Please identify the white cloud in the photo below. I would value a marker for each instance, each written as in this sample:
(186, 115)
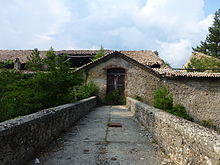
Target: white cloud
(165, 25)
(26, 24)
(175, 52)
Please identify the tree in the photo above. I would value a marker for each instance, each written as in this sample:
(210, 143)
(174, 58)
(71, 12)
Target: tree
(211, 45)
(99, 54)
(35, 62)
(202, 64)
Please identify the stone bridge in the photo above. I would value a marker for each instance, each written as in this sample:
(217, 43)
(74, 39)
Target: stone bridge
(108, 135)
(82, 133)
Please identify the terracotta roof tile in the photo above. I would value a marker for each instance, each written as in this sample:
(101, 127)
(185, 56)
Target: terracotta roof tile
(173, 73)
(145, 57)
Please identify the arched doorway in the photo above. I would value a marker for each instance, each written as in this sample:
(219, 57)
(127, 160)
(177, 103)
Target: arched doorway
(116, 80)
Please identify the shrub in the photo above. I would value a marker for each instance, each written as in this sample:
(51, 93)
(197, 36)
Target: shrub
(21, 94)
(99, 54)
(163, 99)
(114, 98)
(35, 62)
(85, 91)
(139, 98)
(7, 64)
(180, 111)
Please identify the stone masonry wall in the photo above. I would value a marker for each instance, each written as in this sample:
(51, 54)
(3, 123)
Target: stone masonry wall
(185, 142)
(201, 97)
(138, 82)
(20, 138)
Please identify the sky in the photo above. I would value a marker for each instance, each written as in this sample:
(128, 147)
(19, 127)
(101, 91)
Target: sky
(171, 27)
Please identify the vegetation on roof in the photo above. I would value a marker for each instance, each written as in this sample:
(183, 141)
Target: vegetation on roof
(100, 54)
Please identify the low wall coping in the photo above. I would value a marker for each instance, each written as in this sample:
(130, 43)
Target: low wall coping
(209, 139)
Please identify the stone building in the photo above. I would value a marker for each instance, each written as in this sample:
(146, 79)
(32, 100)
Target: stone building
(140, 73)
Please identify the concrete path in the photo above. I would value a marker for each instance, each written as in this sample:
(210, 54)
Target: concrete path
(92, 142)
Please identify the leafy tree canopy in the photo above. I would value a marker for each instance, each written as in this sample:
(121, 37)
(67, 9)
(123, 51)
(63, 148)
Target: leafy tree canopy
(211, 45)
(203, 64)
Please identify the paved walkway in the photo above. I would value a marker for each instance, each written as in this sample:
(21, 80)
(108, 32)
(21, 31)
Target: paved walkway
(92, 142)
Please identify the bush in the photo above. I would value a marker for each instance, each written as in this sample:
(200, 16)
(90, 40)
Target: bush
(7, 64)
(22, 94)
(163, 99)
(114, 98)
(180, 111)
(85, 91)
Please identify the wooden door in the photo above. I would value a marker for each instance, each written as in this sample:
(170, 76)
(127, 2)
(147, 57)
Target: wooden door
(116, 80)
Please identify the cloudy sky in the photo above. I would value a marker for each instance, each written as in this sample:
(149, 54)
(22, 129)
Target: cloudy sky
(171, 27)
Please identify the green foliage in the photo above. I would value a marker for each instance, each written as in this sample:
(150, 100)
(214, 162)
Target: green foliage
(180, 111)
(167, 64)
(114, 98)
(7, 64)
(207, 123)
(163, 99)
(204, 63)
(211, 45)
(139, 98)
(85, 91)
(21, 94)
(100, 54)
(35, 62)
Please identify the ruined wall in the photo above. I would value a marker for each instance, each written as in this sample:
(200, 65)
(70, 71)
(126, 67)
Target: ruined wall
(184, 141)
(200, 96)
(138, 82)
(22, 137)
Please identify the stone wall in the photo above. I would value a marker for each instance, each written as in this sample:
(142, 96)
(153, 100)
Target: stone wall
(138, 82)
(200, 96)
(185, 142)
(20, 138)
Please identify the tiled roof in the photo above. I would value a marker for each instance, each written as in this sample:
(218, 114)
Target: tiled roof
(145, 57)
(24, 54)
(173, 73)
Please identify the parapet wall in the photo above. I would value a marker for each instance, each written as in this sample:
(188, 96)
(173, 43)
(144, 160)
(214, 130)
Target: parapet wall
(20, 138)
(184, 141)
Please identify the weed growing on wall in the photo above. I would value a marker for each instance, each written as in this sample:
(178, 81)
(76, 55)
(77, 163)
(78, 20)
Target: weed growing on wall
(139, 98)
(163, 99)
